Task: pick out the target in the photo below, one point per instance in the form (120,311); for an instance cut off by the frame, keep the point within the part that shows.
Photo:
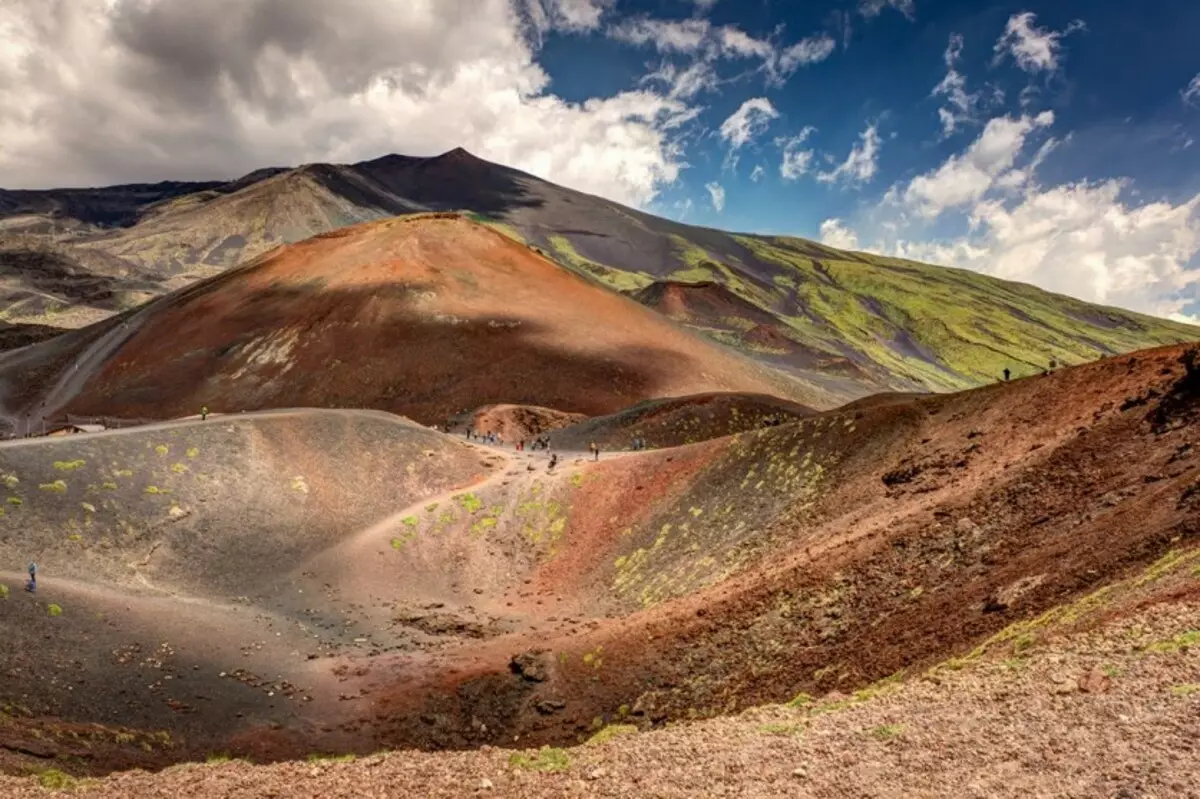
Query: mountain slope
(419,315)
(345,581)
(874,321)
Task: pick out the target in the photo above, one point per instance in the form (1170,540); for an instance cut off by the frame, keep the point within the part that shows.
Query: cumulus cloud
(102,91)
(860,166)
(758,173)
(1090,239)
(748,122)
(1034,49)
(965,178)
(1191,94)
(796,159)
(836,234)
(716,193)
(873,8)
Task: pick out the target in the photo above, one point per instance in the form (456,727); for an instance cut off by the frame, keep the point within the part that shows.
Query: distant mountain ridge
(824,315)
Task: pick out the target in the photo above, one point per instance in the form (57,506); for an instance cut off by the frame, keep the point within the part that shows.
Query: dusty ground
(479,598)
(1113,711)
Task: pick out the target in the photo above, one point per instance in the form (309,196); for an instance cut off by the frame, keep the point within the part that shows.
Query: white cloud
(758,173)
(104,91)
(960,104)
(812,50)
(965,178)
(860,166)
(1089,239)
(748,122)
(668,36)
(699,38)
(716,193)
(1034,49)
(572,15)
(873,8)
(796,161)
(736,42)
(835,234)
(704,6)
(1191,95)
(684,83)
(542,16)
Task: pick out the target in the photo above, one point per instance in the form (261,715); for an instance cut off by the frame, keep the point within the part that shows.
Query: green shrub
(547,759)
(55,780)
(612,731)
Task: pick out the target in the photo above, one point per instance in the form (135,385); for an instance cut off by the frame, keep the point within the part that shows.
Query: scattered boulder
(530,666)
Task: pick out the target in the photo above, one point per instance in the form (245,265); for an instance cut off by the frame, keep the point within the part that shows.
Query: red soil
(515,422)
(418,316)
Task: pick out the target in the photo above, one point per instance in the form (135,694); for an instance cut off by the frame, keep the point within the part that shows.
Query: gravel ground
(1112,713)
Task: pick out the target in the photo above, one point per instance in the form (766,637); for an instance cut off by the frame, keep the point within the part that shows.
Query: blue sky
(1114,78)
(1117,90)
(1051,141)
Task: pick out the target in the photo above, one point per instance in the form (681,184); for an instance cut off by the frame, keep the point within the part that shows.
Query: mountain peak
(458,154)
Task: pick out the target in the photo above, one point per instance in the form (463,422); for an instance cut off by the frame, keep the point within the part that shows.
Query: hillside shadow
(452,182)
(57,274)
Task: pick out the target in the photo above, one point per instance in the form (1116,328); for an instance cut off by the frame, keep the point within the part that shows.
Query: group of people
(487,438)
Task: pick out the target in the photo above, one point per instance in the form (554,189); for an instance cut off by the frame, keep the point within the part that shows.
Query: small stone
(485,784)
(1095,681)
(800,773)
(597,774)
(1065,687)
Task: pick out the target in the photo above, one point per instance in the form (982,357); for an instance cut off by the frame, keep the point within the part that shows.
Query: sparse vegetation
(547,759)
(57,487)
(54,610)
(54,780)
(469,502)
(886,732)
(69,466)
(612,731)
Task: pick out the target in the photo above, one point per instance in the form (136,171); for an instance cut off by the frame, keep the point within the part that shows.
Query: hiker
(31,586)
(1006,374)
(204,413)
(553,461)
(595,450)
(468,432)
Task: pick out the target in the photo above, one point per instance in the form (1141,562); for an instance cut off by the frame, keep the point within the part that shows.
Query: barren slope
(675,421)
(1102,704)
(423,316)
(534,606)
